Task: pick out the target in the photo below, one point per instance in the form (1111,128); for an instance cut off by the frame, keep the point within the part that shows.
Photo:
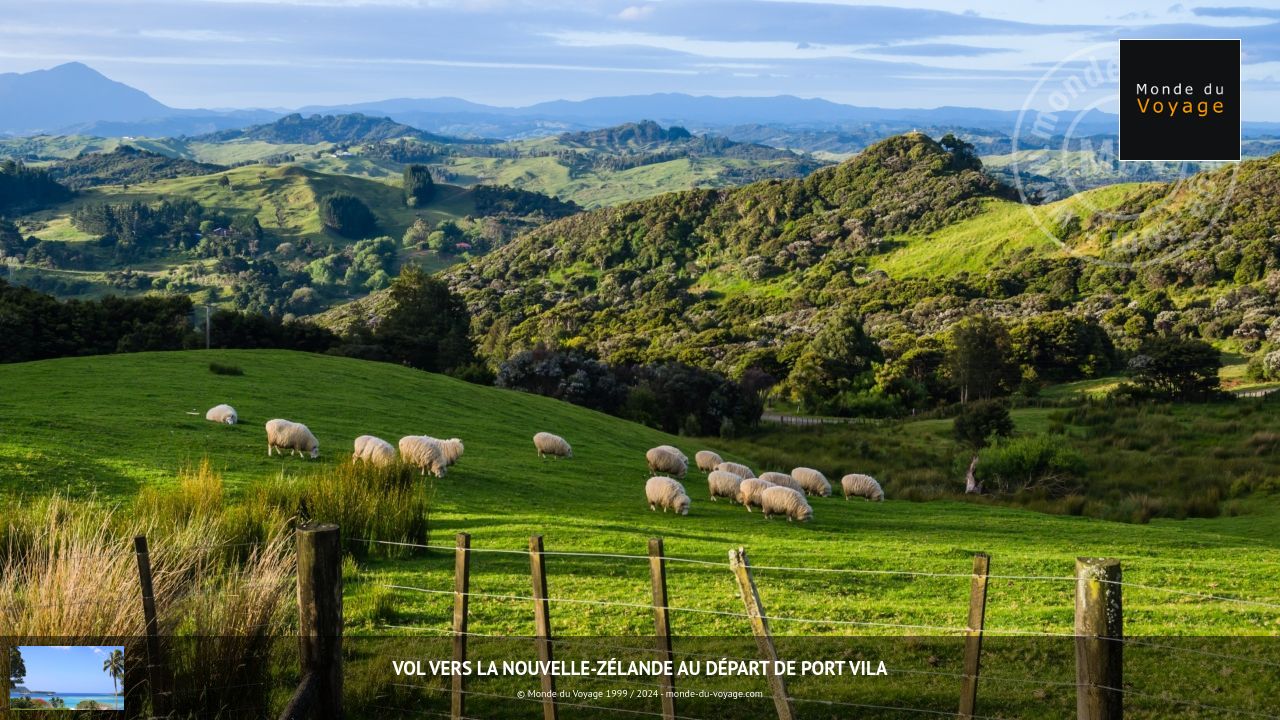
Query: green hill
(910,236)
(125,165)
(109,425)
(348,128)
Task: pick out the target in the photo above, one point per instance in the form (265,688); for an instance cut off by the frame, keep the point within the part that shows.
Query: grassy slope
(259,190)
(111,424)
(1001,230)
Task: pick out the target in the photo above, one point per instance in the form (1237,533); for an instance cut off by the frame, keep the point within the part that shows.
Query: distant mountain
(628,135)
(67,95)
(348,128)
(188,122)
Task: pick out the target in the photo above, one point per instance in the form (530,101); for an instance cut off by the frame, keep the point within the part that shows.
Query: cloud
(635,12)
(936,50)
(1238,11)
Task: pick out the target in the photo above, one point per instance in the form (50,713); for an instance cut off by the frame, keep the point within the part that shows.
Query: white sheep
(424,453)
(723,484)
(707,460)
(553,445)
(783,479)
(452,450)
(738,469)
(749,491)
(222,414)
(666,493)
(373,450)
(666,459)
(785,501)
(295,437)
(863,486)
(677,451)
(813,482)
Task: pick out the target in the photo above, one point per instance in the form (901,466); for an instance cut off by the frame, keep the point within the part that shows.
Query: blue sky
(904,53)
(67,669)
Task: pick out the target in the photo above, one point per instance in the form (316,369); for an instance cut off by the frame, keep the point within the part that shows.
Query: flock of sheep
(426,453)
(775,493)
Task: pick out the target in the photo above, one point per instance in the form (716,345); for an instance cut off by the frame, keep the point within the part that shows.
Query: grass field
(107,426)
(110,430)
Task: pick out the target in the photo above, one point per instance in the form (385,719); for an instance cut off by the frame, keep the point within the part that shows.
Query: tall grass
(223,575)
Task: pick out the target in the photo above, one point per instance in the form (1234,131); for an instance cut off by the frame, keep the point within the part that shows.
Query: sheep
(813,482)
(707,460)
(783,479)
(295,437)
(785,501)
(222,414)
(676,451)
(373,450)
(749,491)
(552,445)
(738,469)
(452,450)
(663,459)
(863,486)
(424,453)
(723,484)
(666,493)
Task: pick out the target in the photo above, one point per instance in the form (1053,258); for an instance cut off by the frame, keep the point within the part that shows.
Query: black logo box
(1185,65)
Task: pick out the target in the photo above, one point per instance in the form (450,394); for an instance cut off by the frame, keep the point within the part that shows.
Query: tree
(839,353)
(418,186)
(114,666)
(1174,368)
(980,358)
(57,703)
(427,326)
(347,215)
(974,427)
(17,668)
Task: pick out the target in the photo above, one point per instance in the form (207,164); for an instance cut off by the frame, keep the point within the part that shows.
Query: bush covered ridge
(733,280)
(126,165)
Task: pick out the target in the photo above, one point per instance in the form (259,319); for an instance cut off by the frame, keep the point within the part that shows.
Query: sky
(900,53)
(67,669)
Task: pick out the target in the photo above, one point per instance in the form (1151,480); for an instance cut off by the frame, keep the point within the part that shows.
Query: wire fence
(471,598)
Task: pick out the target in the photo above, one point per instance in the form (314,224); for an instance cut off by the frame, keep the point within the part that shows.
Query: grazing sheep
(863,486)
(749,492)
(666,459)
(552,445)
(373,450)
(785,501)
(783,479)
(677,451)
(668,494)
(424,453)
(295,437)
(723,484)
(813,482)
(222,414)
(738,469)
(452,450)
(707,460)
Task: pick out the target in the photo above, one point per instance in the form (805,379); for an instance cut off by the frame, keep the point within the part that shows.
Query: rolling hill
(284,202)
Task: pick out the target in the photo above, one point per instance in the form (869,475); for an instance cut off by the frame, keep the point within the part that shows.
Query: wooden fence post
(158,688)
(542,627)
(662,625)
(4,673)
(973,635)
(760,627)
(461,586)
(320,617)
(1099,640)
